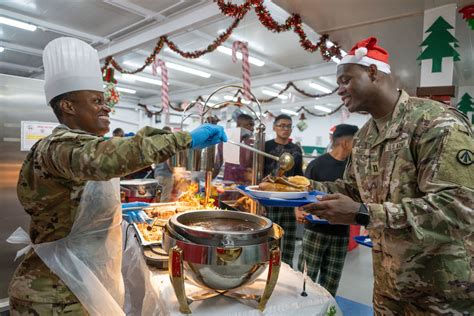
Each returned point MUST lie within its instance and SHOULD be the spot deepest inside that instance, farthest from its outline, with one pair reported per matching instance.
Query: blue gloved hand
(207, 135)
(133, 212)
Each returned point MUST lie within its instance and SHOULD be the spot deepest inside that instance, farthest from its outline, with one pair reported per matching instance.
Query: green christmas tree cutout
(466, 105)
(439, 44)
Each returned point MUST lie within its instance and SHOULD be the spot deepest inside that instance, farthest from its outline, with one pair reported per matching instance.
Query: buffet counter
(149, 292)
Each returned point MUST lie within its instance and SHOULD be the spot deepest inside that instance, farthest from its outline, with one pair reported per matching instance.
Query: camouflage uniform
(50, 186)
(417, 178)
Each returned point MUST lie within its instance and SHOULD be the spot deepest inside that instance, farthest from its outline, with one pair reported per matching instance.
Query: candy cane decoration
(243, 47)
(165, 98)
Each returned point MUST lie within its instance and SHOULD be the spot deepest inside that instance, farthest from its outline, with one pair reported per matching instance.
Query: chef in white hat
(69, 186)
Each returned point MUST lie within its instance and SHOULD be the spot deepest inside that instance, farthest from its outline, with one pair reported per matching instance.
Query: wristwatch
(362, 217)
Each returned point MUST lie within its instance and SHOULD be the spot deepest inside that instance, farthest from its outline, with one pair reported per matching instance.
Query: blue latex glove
(133, 212)
(207, 135)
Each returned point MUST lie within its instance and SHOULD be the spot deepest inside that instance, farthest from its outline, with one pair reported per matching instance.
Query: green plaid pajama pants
(324, 255)
(285, 217)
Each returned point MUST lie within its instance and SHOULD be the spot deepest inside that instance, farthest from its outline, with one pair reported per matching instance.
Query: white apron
(89, 259)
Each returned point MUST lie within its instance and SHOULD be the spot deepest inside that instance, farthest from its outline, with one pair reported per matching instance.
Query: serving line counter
(149, 291)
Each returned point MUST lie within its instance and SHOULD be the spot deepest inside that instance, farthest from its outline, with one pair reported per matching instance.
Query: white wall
(317, 133)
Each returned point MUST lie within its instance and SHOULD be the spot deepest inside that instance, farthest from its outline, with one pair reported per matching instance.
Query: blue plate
(311, 198)
(364, 241)
(316, 221)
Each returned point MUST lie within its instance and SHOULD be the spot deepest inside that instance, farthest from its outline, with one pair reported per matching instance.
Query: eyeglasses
(284, 126)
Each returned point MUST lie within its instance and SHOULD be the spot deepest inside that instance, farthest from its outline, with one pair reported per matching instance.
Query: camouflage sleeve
(444, 156)
(94, 158)
(347, 185)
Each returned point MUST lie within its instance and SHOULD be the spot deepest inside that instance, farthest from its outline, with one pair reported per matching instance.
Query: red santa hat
(367, 53)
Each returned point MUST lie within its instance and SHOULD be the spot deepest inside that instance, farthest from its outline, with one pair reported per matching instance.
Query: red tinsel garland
(294, 21)
(239, 12)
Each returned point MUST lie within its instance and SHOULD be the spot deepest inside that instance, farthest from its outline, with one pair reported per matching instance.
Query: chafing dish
(221, 251)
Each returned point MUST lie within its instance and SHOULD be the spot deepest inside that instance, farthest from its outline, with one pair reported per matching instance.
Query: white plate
(276, 194)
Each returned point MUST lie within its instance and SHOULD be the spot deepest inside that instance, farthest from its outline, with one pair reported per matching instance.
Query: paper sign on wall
(232, 152)
(31, 132)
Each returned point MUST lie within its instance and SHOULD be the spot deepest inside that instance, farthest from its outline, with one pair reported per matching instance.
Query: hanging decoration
(468, 15)
(238, 12)
(200, 101)
(165, 98)
(302, 125)
(111, 95)
(305, 110)
(243, 47)
(440, 43)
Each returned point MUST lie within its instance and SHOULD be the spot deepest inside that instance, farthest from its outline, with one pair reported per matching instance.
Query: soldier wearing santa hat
(410, 181)
(69, 186)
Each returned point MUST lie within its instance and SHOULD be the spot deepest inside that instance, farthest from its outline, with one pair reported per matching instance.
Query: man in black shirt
(324, 245)
(284, 216)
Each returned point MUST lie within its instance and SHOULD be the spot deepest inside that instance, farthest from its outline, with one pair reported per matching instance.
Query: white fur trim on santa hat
(361, 52)
(365, 61)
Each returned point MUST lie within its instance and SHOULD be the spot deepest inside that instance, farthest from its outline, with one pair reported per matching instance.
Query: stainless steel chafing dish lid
(221, 228)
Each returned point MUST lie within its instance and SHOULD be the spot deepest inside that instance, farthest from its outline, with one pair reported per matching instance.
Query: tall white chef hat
(70, 65)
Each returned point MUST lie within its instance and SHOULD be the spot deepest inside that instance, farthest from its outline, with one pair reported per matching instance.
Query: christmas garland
(468, 15)
(289, 85)
(293, 21)
(238, 12)
(309, 112)
(200, 100)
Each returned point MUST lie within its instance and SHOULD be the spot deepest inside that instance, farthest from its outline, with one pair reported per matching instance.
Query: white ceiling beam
(19, 67)
(324, 69)
(130, 7)
(22, 49)
(178, 22)
(53, 27)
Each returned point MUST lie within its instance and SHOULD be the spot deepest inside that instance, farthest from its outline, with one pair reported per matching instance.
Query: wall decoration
(440, 43)
(466, 105)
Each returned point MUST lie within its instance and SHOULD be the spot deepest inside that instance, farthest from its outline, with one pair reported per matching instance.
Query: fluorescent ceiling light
(274, 94)
(319, 87)
(279, 85)
(235, 99)
(255, 61)
(135, 65)
(128, 77)
(288, 112)
(322, 108)
(18, 24)
(172, 66)
(126, 90)
(1, 49)
(329, 79)
(188, 70)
